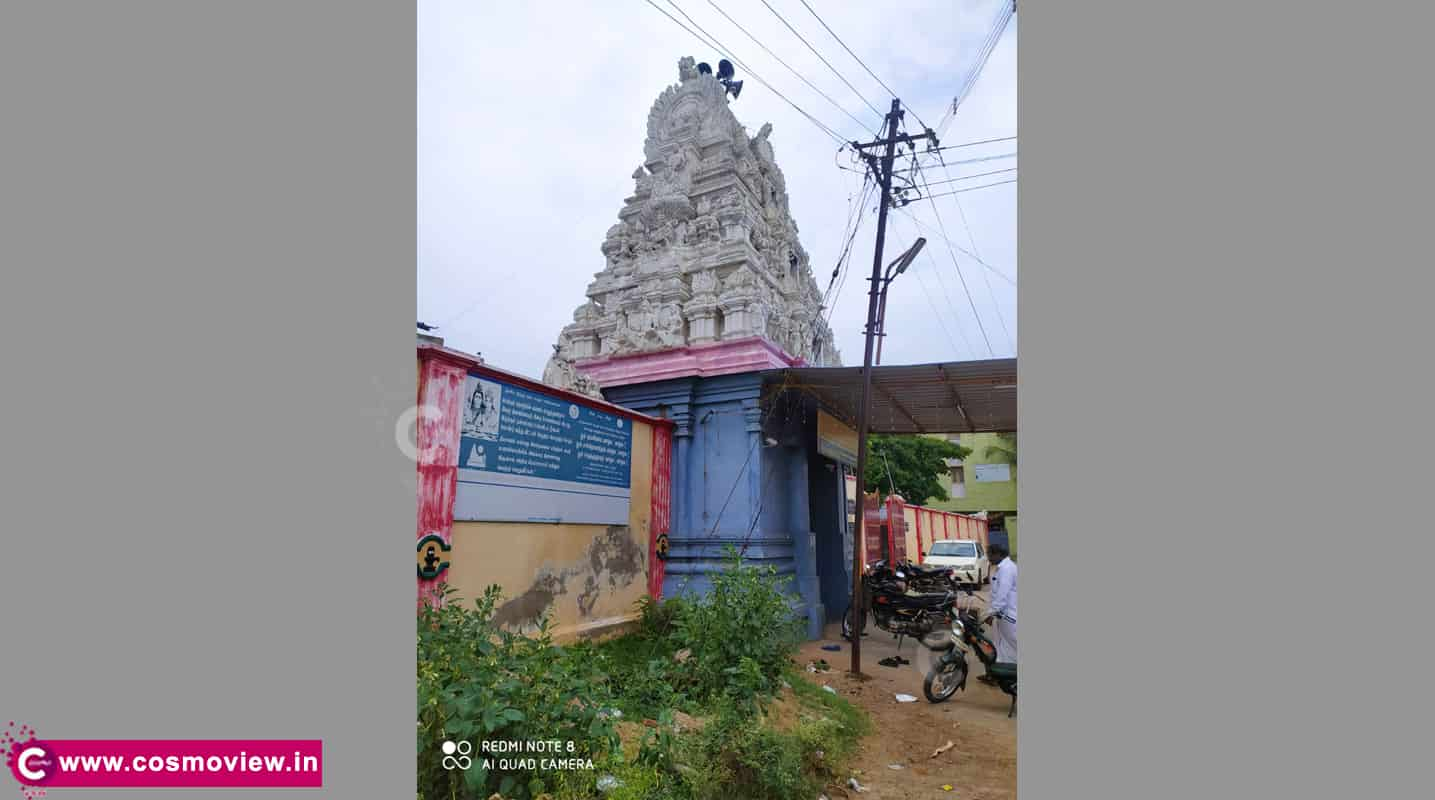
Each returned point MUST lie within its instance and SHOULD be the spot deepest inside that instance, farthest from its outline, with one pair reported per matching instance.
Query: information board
(525, 456)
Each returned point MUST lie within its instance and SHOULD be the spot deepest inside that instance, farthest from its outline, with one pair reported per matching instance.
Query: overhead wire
(1001, 317)
(961, 178)
(937, 314)
(849, 232)
(845, 259)
(984, 54)
(971, 188)
(848, 49)
(940, 148)
(716, 45)
(963, 250)
(976, 160)
(950, 306)
(799, 75)
(839, 75)
(858, 59)
(938, 214)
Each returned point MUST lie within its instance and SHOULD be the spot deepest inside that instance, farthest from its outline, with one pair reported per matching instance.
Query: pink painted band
(703, 360)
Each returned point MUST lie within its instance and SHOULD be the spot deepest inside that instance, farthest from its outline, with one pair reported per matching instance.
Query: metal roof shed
(952, 397)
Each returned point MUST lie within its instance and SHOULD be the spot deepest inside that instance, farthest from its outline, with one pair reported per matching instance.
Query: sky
(531, 120)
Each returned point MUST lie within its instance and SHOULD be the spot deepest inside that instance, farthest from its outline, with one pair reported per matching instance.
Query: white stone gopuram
(705, 273)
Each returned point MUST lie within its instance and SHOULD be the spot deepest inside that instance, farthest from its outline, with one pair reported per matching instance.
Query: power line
(961, 178)
(997, 30)
(799, 75)
(971, 189)
(855, 57)
(964, 251)
(993, 37)
(849, 51)
(819, 56)
(969, 144)
(714, 44)
(1001, 317)
(980, 159)
(845, 260)
(951, 307)
(849, 232)
(927, 293)
(958, 266)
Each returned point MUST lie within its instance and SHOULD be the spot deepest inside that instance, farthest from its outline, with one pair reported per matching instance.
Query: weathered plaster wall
(588, 576)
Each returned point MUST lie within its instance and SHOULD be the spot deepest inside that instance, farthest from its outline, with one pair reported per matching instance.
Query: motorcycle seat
(929, 600)
(1003, 669)
(917, 569)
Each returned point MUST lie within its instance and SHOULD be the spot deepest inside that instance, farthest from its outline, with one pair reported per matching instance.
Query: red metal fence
(897, 531)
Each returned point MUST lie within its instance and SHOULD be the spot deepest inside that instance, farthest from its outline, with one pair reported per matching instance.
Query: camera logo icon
(457, 755)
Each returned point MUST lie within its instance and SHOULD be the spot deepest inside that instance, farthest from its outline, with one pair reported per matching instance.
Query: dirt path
(981, 764)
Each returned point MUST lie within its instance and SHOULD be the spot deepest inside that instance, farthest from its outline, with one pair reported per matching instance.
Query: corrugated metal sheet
(954, 397)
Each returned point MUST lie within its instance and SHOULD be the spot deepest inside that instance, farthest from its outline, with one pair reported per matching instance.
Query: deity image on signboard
(481, 409)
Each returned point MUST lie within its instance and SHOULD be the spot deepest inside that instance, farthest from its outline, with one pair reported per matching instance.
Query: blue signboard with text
(526, 456)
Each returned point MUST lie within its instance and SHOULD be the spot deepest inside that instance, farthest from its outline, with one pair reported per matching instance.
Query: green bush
(738, 639)
(478, 682)
(741, 635)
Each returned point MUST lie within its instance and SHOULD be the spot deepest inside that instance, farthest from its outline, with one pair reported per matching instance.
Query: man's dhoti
(1004, 632)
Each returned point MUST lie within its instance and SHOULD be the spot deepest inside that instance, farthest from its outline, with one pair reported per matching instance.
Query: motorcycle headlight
(958, 628)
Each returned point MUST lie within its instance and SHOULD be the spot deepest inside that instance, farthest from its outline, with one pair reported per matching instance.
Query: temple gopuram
(704, 271)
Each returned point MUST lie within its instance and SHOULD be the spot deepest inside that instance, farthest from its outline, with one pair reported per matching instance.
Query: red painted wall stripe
(661, 508)
(440, 400)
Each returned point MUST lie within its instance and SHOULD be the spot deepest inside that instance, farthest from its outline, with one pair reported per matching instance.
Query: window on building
(959, 481)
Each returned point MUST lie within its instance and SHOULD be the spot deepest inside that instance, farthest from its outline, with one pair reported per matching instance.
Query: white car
(966, 558)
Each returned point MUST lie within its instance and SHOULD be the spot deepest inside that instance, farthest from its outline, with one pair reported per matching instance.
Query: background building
(986, 480)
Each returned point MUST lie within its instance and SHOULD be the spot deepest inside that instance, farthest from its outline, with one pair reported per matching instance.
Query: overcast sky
(531, 120)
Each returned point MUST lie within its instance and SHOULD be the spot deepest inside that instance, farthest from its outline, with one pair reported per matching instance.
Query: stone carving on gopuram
(705, 251)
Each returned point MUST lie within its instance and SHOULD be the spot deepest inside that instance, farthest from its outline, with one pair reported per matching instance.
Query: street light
(893, 270)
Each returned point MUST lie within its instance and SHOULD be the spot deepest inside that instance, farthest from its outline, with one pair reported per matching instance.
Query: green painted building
(984, 481)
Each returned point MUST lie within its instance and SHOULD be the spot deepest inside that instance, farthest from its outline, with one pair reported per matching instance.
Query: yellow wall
(588, 576)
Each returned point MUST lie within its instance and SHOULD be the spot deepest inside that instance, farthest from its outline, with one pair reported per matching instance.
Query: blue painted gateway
(747, 473)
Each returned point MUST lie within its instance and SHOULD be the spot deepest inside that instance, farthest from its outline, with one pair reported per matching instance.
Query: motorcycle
(902, 603)
(949, 672)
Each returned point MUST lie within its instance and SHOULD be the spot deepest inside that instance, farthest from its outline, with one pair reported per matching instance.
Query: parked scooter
(901, 603)
(949, 673)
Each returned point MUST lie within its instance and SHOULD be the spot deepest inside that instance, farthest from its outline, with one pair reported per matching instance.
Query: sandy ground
(981, 764)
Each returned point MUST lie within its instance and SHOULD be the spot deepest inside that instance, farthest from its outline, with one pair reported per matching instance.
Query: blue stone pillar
(804, 541)
(731, 489)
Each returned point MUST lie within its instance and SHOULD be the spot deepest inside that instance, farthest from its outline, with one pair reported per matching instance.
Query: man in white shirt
(1003, 608)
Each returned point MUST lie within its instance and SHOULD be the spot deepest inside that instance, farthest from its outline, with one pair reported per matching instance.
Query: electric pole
(883, 167)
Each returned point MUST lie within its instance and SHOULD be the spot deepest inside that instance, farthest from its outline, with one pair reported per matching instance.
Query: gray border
(1218, 319)
(208, 234)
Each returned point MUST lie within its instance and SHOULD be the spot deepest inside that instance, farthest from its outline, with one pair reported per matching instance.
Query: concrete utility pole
(883, 168)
